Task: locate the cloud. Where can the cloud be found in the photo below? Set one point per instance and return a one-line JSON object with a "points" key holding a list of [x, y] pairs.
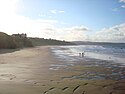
{"points": [[11, 22], [56, 11], [8, 5], [53, 11], [33, 27], [78, 28], [75, 33], [112, 34], [61, 11], [123, 6], [42, 15], [122, 1], [70, 34]]}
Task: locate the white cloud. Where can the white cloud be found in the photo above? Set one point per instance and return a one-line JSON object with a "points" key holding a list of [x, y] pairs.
{"points": [[61, 11], [70, 34], [19, 24], [41, 15], [11, 22], [78, 28], [56, 11], [112, 34], [53, 11], [8, 6], [122, 1], [123, 6], [76, 33]]}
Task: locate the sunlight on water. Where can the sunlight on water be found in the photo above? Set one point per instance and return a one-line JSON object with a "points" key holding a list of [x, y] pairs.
{"points": [[108, 57]]}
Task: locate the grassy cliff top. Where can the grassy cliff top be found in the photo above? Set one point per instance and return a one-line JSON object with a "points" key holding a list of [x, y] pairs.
{"points": [[42, 41], [21, 40]]}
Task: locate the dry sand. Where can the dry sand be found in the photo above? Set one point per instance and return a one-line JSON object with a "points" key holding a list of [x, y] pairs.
{"points": [[27, 71]]}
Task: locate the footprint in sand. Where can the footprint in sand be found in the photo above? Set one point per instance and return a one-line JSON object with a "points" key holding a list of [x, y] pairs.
{"points": [[31, 82], [65, 88], [7, 76], [78, 90]]}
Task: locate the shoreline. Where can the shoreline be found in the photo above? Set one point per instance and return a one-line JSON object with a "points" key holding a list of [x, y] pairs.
{"points": [[3, 51], [27, 71]]}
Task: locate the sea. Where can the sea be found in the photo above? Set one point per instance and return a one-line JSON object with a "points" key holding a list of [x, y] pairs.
{"points": [[108, 56]]}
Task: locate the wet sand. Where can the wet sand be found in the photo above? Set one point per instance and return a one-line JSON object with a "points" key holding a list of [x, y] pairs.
{"points": [[27, 71]]}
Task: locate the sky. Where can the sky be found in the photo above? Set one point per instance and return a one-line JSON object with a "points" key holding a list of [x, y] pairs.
{"points": [[70, 20]]}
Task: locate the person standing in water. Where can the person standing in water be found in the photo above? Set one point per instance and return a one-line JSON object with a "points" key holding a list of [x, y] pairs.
{"points": [[82, 54]]}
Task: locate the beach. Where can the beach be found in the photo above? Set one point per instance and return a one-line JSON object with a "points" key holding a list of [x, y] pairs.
{"points": [[32, 71]]}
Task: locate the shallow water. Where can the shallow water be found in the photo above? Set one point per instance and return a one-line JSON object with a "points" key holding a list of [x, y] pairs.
{"points": [[108, 57], [71, 53]]}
